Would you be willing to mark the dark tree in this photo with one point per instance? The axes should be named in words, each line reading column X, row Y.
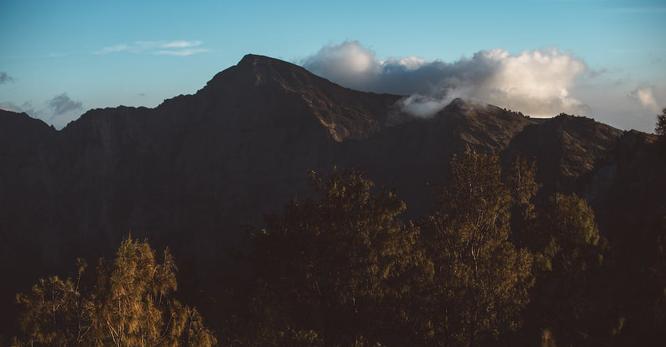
column 660, row 129
column 338, row 269
column 520, row 179
column 569, row 294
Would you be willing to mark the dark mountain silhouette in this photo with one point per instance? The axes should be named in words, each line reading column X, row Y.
column 194, row 171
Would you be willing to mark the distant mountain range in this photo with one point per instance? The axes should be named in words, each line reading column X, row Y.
column 193, row 172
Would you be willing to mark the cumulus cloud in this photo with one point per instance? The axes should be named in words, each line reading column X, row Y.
column 645, row 95
column 61, row 104
column 175, row 48
column 349, row 64
column 535, row 82
column 5, row 78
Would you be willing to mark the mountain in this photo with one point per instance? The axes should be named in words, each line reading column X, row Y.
column 198, row 169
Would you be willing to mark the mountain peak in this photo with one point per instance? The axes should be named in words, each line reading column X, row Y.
column 254, row 59
column 255, row 70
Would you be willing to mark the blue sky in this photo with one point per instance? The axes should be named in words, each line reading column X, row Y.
column 108, row 53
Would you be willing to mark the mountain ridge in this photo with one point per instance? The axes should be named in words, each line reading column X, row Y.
column 197, row 169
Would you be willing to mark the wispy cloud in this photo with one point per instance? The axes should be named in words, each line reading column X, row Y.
column 57, row 111
column 5, row 78
column 181, row 44
column 181, row 48
column 182, row 52
column 113, row 49
column 26, row 107
column 645, row 95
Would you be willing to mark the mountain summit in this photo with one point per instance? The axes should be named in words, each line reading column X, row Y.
column 275, row 87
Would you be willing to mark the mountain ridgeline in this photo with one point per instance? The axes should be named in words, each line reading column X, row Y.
column 194, row 173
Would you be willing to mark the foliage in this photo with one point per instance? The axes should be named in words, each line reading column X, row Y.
column 491, row 265
column 129, row 303
column 481, row 280
column 660, row 129
column 338, row 269
column 569, row 294
column 520, row 180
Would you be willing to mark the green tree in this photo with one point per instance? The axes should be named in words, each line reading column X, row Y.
column 338, row 269
column 128, row 303
column 481, row 280
column 569, row 293
column 520, row 180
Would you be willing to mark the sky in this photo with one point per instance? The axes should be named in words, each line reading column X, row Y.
column 600, row 58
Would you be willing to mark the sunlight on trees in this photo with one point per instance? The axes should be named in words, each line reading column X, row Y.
column 481, row 280
column 127, row 303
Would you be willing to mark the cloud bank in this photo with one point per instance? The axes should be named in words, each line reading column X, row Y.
column 536, row 82
column 181, row 48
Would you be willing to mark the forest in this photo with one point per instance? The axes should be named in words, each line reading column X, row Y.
column 497, row 262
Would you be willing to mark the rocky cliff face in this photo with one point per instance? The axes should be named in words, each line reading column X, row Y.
column 193, row 171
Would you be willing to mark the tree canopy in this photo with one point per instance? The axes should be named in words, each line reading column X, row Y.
column 482, row 280
column 338, row 269
column 126, row 303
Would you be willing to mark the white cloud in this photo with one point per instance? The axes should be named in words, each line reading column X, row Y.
column 182, row 52
column 410, row 63
column 349, row 64
column 536, row 82
column 112, row 49
column 645, row 95
column 181, row 44
column 175, row 48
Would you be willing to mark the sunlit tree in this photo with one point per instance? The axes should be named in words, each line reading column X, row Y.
column 127, row 303
column 481, row 279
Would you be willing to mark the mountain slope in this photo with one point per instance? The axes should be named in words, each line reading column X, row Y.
column 192, row 172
